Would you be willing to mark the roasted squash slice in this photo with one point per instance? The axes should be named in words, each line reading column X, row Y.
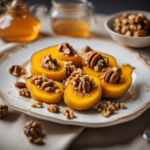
column 36, row 69
column 49, row 97
column 116, row 90
column 83, row 102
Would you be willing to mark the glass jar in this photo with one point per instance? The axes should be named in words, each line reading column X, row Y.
column 71, row 17
column 17, row 23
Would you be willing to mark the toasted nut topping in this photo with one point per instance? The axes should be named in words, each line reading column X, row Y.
column 69, row 68
column 131, row 23
column 53, row 108
column 105, row 113
column 32, row 130
column 106, row 108
column 16, row 70
column 140, row 33
column 113, row 76
column 68, row 113
column 85, row 50
column 102, row 107
column 50, row 63
column 96, row 61
column 81, row 81
column 20, row 85
column 24, row 92
column 3, row 110
column 122, row 105
column 44, row 83
column 65, row 49
column 36, row 104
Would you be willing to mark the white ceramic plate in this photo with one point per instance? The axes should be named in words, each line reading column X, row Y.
column 89, row 118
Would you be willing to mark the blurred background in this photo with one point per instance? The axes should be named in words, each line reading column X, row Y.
column 108, row 6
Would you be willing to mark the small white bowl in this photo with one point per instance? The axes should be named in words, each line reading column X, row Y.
column 137, row 42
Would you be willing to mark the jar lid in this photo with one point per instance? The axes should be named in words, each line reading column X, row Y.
column 15, row 5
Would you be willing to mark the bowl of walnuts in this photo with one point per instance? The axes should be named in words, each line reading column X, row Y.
column 130, row 28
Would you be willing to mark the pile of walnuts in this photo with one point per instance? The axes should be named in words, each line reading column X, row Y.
column 136, row 25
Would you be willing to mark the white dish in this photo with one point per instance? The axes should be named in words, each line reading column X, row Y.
column 137, row 42
column 141, row 78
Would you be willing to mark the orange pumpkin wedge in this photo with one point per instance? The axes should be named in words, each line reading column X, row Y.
column 91, row 71
column 77, row 61
column 116, row 90
column 49, row 97
column 36, row 69
column 83, row 102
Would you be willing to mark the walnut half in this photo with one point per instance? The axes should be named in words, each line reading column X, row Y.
column 113, row 76
column 96, row 61
column 65, row 49
column 16, row 70
column 53, row 108
column 140, row 33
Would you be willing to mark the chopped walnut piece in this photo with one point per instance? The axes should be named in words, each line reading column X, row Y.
column 65, row 83
column 20, row 85
column 24, row 92
column 86, row 49
column 65, row 49
column 50, row 63
column 36, row 104
column 16, row 70
column 113, row 76
column 44, row 83
column 68, row 113
column 107, row 108
column 81, row 82
column 102, row 107
column 96, row 61
column 69, row 68
column 117, row 106
column 53, row 108
column 110, row 109
column 3, row 110
column 105, row 113
column 122, row 105
column 83, row 52
column 32, row 130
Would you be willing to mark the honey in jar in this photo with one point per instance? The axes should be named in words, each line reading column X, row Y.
column 70, row 18
column 71, row 27
column 17, row 23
